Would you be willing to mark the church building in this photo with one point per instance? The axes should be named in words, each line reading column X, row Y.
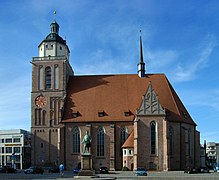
column 135, row 120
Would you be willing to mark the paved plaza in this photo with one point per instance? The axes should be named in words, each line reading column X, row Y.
column 115, row 175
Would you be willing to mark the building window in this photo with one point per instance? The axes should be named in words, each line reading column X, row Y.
column 3, row 141
column 76, row 140
column 60, row 47
column 130, row 152
column 8, row 149
column 56, row 77
column 40, row 78
column 16, row 140
column 3, row 150
column 124, row 152
column 100, row 142
column 171, row 138
column 9, row 140
column 123, row 136
column 41, row 145
column 16, row 149
column 153, row 138
column 48, row 77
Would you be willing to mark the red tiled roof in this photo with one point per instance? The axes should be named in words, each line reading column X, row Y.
column 116, row 94
column 129, row 143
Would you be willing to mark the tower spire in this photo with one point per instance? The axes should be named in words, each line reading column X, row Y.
column 54, row 27
column 141, row 52
column 141, row 64
column 55, row 16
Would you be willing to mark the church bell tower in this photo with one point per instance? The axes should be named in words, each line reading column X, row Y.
column 50, row 73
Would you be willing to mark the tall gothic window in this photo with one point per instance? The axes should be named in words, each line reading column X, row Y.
column 171, row 140
column 123, row 136
column 100, row 142
column 40, row 78
column 56, row 77
column 76, row 140
column 153, row 137
column 48, row 77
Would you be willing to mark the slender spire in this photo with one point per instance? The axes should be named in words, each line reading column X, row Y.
column 141, row 52
column 141, row 64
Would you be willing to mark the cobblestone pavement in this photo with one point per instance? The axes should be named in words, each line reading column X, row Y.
column 124, row 175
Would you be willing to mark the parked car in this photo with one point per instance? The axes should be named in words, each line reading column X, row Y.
column 191, row 170
column 76, row 170
column 7, row 169
column 34, row 170
column 54, row 169
column 204, row 170
column 141, row 171
column 104, row 170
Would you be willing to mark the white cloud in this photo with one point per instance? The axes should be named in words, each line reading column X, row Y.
column 202, row 97
column 187, row 72
column 158, row 60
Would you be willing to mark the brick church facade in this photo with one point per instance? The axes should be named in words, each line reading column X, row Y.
column 134, row 119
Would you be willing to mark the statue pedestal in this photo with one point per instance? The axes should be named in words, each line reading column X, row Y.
column 86, row 165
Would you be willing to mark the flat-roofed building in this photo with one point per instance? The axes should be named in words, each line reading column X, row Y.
column 15, row 148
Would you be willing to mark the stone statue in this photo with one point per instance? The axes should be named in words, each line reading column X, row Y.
column 87, row 143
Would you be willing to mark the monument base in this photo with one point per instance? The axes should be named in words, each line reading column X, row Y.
column 86, row 165
column 86, row 173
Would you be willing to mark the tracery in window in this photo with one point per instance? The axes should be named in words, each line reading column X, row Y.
column 76, row 140
column 100, row 142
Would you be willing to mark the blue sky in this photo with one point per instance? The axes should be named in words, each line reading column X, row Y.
column 180, row 39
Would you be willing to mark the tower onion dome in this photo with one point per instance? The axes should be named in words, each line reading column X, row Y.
column 54, row 34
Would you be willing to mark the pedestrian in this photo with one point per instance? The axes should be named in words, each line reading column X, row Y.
column 61, row 169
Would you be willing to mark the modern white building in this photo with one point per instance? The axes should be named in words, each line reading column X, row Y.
column 212, row 151
column 15, row 148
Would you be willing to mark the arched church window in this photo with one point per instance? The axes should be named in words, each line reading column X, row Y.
column 40, row 78
column 123, row 136
column 76, row 140
column 56, row 77
column 153, row 137
column 171, row 140
column 48, row 77
column 100, row 142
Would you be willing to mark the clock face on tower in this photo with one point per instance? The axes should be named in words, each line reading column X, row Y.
column 40, row 101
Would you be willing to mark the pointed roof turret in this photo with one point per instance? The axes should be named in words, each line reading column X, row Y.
column 141, row 64
column 54, row 26
column 53, row 36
